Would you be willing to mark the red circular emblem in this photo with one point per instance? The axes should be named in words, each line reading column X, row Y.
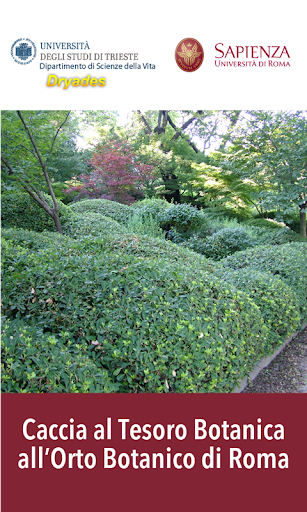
column 189, row 54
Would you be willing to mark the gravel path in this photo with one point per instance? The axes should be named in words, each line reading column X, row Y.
column 287, row 373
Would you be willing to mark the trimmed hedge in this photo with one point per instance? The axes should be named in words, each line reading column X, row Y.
column 34, row 362
column 276, row 236
column 154, row 328
column 276, row 300
column 141, row 246
column 287, row 262
column 149, row 316
column 30, row 240
column 19, row 210
column 91, row 224
column 116, row 211
column 181, row 217
column 222, row 243
column 154, row 208
column 145, row 247
column 228, row 240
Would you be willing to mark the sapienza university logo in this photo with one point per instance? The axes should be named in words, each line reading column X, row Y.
column 251, row 56
column 23, row 51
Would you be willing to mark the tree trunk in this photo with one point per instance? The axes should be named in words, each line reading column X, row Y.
column 37, row 196
column 57, row 222
column 303, row 223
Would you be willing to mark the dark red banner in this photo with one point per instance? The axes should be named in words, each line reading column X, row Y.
column 153, row 452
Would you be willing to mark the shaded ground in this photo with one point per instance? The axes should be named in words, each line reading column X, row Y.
column 287, row 373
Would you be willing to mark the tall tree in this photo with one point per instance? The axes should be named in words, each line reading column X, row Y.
column 176, row 133
column 271, row 149
column 164, row 126
column 28, row 140
column 38, row 146
column 117, row 174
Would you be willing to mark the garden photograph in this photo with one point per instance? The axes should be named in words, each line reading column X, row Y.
column 154, row 251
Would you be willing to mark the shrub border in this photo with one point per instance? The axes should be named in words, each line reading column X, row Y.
column 264, row 362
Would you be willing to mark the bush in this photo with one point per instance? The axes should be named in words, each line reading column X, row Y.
column 288, row 262
column 19, row 210
column 144, row 225
column 35, row 362
column 89, row 223
column 149, row 315
column 276, row 300
column 154, row 208
column 222, row 243
column 116, row 211
column 275, row 236
column 155, row 328
column 31, row 240
column 210, row 224
column 293, row 221
column 142, row 246
column 181, row 217
column 217, row 238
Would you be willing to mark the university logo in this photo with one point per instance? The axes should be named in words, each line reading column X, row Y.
column 23, row 51
column 189, row 54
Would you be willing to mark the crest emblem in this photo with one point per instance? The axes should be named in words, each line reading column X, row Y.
column 189, row 55
column 23, row 51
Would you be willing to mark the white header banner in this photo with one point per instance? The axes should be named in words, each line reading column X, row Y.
column 93, row 55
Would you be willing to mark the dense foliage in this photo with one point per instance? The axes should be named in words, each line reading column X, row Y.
column 151, row 328
column 20, row 210
column 112, row 209
column 287, row 261
column 276, row 300
column 133, row 313
column 35, row 362
column 222, row 243
column 183, row 291
column 117, row 174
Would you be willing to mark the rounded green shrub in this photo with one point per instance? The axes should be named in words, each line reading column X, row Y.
column 36, row 362
column 116, row 211
column 181, row 217
column 141, row 246
column 290, row 219
column 150, row 315
column 276, row 300
column 195, row 243
column 19, row 210
column 287, row 262
column 276, row 236
column 90, row 223
column 222, row 243
column 144, row 247
column 151, row 208
column 148, row 225
column 31, row 240
column 146, row 217
column 152, row 328
column 293, row 221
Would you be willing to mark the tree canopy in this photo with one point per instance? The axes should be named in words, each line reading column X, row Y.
column 235, row 159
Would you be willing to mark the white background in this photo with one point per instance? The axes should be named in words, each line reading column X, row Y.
column 153, row 30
